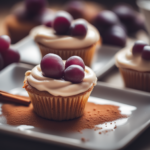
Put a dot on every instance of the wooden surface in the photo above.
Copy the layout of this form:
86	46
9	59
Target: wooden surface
8	142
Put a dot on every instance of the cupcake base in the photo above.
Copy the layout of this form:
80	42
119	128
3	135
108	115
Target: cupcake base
86	54
136	80
57	107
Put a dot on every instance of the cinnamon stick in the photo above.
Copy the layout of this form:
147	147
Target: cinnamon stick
4	96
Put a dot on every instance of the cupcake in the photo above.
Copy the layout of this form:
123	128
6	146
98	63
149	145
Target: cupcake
81	9
134	66
68	37
59	90
24	17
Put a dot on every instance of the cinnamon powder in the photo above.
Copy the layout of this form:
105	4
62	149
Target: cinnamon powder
94	114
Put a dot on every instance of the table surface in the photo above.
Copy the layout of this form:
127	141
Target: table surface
8	142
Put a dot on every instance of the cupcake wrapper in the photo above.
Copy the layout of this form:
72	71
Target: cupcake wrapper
136	80
86	54
59	108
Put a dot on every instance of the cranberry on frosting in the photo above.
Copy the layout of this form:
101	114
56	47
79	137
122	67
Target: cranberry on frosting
62	22
78	28
146	53
138	47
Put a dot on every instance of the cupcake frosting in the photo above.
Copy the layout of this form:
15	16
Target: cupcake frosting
60	87
47	37
125	59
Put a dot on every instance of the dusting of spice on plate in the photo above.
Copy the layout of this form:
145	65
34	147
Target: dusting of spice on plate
22	115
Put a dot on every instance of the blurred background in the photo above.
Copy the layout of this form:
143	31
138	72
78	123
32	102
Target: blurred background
109	3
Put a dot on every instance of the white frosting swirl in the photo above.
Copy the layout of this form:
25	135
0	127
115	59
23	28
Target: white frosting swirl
125	59
60	87
47	37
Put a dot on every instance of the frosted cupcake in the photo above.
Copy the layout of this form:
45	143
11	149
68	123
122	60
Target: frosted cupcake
67	38
59	90
134	66
24	17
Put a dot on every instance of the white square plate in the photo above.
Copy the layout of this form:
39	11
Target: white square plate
132	102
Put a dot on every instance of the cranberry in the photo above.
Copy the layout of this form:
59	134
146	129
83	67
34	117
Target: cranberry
79	28
52	66
136	24
74	73
4	43
11	56
48	23
125	13
48	18
115	35
146	53
75	8
105	19
138	47
35	6
75	60
1	62
62	22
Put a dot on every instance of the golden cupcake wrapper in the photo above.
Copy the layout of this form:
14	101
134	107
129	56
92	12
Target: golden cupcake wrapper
59	108
86	54
136	80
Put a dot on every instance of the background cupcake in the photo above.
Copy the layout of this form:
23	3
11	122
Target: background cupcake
134	66
24	17
67	38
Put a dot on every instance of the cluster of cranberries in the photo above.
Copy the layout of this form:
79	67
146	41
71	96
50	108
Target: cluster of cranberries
143	48
35	6
113	25
75	8
132	20
62	24
32	10
53	66
110	28
7	55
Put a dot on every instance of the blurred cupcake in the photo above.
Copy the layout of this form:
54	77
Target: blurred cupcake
81	9
59	92
24	17
68	38
134	66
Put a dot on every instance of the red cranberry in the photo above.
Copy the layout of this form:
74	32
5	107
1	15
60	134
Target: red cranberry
1	62
146	53
125	13
35	6
4	43
105	19
115	35
136	24
52	66
79	28
74	73
75	60
11	56
138	47
62	22
75	8
48	23
48	19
